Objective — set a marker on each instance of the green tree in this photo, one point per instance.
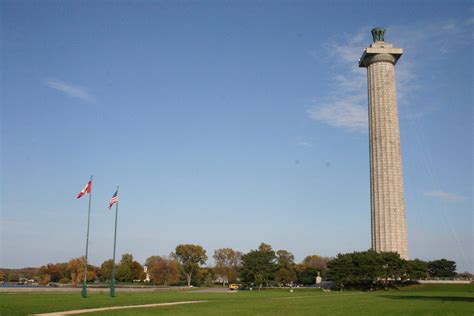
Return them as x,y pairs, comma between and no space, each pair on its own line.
306,275
368,268
129,270
261,263
393,267
190,256
341,270
259,279
416,269
442,268
285,259
359,269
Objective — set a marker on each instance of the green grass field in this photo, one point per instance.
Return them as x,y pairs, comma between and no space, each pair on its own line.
413,300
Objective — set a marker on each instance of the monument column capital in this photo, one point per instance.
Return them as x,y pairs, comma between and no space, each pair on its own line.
380,52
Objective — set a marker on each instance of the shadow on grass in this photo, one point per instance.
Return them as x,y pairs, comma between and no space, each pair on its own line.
430,298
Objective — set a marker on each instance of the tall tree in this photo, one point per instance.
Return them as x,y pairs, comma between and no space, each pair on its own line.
190,256
258,266
227,263
285,273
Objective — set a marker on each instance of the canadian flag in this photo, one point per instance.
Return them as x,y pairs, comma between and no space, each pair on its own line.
87,189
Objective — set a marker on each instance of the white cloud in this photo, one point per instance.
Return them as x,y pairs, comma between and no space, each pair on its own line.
348,50
347,112
347,106
305,143
445,196
71,90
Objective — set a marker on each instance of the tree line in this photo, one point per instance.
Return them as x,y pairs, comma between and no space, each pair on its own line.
257,268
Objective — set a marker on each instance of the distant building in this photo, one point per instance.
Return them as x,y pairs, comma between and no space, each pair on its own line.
147,278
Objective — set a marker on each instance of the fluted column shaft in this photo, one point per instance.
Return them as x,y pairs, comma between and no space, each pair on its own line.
388,222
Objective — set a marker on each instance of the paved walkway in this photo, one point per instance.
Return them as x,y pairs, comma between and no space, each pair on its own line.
104,309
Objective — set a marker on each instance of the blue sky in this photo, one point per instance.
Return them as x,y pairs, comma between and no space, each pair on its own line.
226,125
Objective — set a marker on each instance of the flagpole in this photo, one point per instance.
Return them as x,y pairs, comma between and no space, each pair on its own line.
112,282
84,285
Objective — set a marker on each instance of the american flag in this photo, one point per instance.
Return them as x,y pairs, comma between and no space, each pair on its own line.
113,200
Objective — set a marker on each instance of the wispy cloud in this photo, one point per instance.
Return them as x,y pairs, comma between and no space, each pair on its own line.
71,90
347,106
305,143
347,112
447,196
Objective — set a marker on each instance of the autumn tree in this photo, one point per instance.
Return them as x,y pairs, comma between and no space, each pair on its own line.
106,270
52,272
309,268
75,268
227,263
316,262
190,256
150,261
164,271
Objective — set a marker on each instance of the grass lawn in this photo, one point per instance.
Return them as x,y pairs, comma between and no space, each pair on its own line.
413,300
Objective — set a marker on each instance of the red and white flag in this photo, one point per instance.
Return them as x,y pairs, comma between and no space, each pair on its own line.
87,189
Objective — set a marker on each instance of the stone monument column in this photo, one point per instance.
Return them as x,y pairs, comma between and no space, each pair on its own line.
388,220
